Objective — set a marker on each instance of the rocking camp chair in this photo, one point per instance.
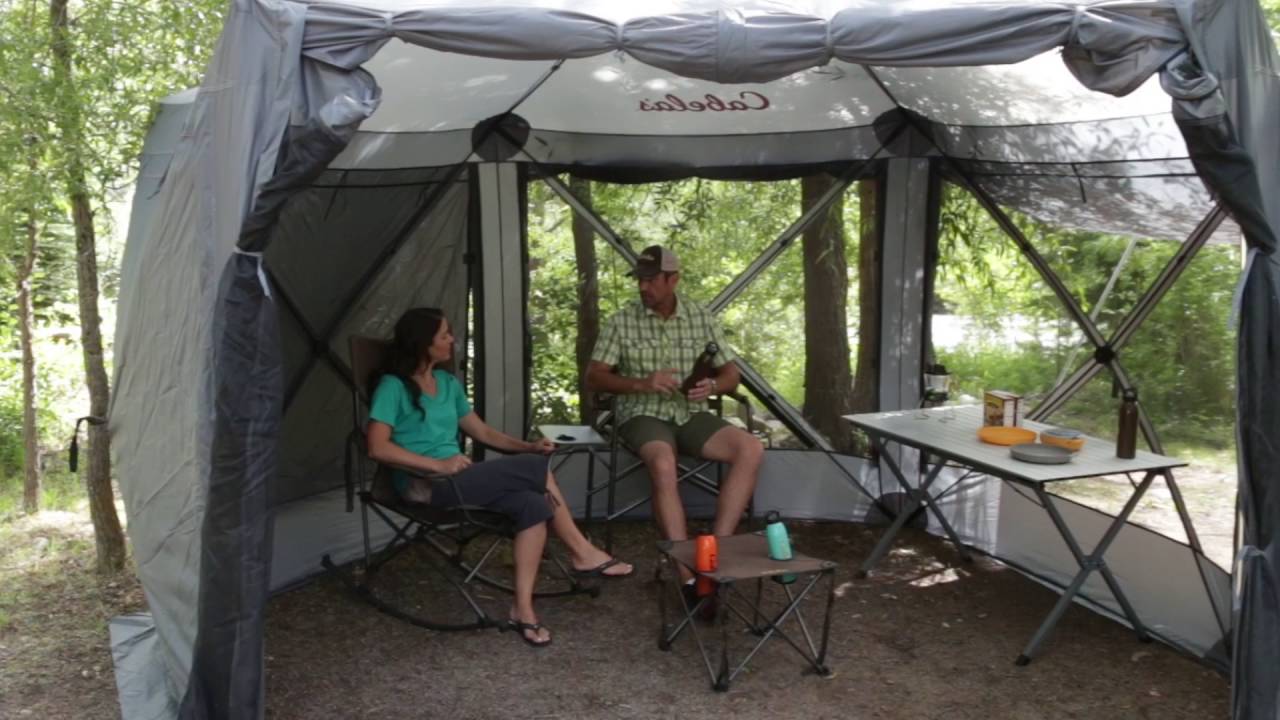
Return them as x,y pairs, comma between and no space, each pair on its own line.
466,538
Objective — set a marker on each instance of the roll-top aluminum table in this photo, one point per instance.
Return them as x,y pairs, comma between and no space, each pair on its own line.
951,434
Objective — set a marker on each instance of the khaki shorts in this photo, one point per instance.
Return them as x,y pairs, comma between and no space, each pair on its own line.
687,439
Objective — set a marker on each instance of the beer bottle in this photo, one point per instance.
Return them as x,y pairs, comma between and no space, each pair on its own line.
703,368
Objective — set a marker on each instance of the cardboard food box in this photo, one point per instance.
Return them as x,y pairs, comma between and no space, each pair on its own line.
1000,408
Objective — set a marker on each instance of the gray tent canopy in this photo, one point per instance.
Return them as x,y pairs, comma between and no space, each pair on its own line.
345,160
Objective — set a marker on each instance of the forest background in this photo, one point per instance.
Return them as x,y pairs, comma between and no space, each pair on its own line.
80,81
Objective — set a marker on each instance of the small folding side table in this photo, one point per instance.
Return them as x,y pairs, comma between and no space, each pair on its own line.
580,440
743,558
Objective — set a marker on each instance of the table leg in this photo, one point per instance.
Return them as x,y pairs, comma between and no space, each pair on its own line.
886,540
1088,564
814,656
591,485
723,677
826,623
929,502
610,498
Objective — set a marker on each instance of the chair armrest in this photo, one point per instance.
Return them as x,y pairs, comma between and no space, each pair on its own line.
414,472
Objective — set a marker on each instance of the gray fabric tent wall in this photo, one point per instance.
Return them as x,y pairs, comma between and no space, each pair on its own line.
1235,47
196,425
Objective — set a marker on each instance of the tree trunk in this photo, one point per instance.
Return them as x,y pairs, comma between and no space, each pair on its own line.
26,321
584,249
97,476
828,382
866,395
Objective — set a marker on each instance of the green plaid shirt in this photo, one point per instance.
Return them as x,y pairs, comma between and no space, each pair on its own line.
636,341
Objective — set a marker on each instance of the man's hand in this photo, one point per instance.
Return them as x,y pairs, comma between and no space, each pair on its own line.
702,390
661,381
453,465
542,445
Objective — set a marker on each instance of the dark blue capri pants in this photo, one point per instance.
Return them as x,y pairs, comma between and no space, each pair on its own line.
513,485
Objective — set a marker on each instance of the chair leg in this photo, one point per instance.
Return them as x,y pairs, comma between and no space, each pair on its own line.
475,570
365,591
364,586
451,543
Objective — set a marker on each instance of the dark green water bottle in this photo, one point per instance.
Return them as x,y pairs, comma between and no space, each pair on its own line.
1127,434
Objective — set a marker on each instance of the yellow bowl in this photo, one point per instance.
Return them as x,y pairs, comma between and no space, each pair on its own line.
1072,444
1000,435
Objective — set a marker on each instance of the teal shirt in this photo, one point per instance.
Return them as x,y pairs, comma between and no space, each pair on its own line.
433,434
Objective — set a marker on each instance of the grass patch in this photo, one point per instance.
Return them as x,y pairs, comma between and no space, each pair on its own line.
1214,458
60,491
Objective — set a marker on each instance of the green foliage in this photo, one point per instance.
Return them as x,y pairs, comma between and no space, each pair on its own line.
125,57
1271,9
10,420
1181,359
60,489
717,229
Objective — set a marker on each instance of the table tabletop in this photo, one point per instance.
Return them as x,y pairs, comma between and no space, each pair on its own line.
577,434
952,432
742,557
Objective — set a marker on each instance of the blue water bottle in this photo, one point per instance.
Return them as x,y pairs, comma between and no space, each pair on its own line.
776,533
779,542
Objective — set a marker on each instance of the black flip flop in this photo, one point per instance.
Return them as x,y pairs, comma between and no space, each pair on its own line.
522,627
599,571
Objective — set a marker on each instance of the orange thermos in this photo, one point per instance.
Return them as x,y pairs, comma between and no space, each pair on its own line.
704,560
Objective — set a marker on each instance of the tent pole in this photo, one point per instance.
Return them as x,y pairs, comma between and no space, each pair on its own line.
766,259
581,210
1198,238
1033,255
1064,391
326,336
1141,310
783,241
1097,307
319,349
788,415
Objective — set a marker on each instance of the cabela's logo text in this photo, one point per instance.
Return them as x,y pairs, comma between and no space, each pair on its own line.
748,100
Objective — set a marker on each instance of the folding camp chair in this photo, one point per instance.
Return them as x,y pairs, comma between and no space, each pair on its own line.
705,475
467,537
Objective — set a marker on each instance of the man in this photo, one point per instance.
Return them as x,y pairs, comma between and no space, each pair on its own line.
643,356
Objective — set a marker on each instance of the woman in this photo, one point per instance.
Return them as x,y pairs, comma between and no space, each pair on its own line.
414,418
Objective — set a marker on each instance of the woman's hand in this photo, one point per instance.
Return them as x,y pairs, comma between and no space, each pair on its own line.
542,445
453,465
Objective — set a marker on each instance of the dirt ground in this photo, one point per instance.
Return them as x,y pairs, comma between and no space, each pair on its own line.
924,637
55,661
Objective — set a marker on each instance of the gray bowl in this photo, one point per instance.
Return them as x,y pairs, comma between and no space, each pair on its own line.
1040,453
1064,433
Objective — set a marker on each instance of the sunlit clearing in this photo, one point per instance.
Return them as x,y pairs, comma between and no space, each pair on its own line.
938,578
